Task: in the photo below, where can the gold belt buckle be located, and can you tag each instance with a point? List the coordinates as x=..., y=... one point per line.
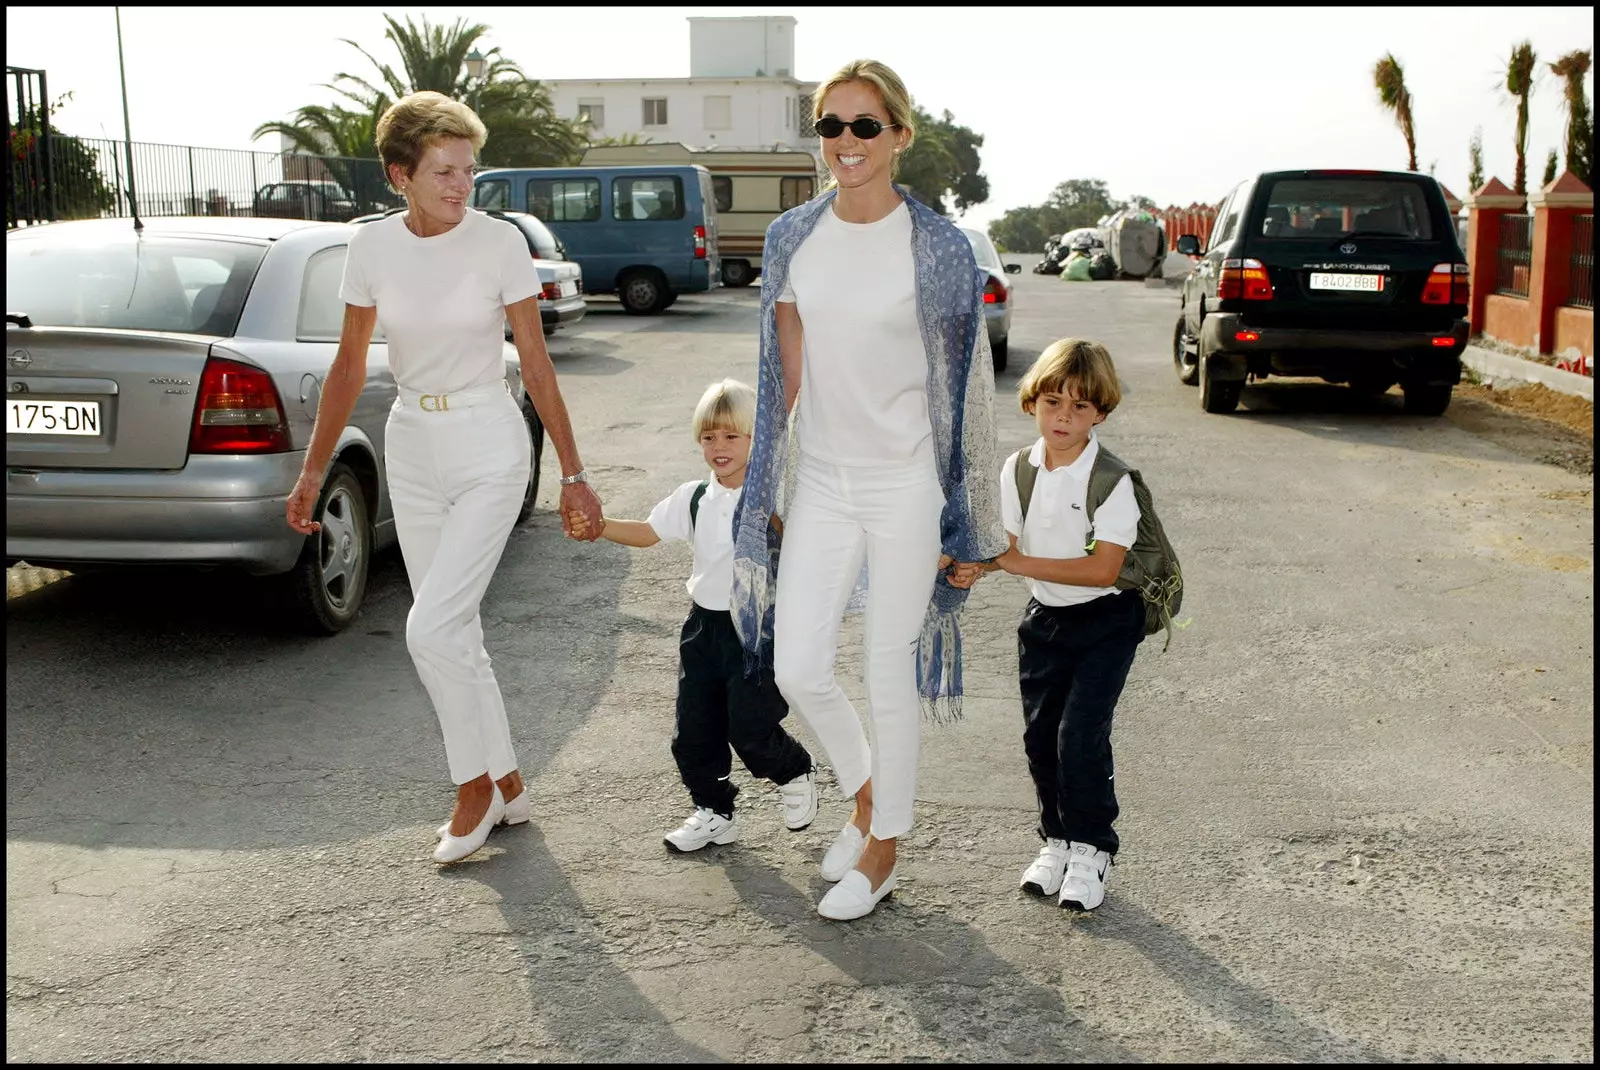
x=440, y=402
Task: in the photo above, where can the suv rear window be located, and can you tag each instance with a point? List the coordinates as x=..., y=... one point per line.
x=1324, y=208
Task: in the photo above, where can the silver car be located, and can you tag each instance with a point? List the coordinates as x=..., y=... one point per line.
x=160, y=391
x=998, y=294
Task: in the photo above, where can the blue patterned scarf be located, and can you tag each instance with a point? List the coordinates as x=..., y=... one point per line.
x=960, y=403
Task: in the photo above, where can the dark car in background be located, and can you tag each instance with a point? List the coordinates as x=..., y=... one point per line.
x=1351, y=276
x=319, y=199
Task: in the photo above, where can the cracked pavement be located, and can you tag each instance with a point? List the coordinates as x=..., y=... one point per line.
x=1357, y=791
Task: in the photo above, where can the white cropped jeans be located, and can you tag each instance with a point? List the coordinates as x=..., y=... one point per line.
x=457, y=475
x=841, y=516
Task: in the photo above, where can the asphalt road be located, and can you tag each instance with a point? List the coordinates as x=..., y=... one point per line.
x=1357, y=791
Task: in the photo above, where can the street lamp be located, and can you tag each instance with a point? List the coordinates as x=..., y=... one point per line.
x=475, y=64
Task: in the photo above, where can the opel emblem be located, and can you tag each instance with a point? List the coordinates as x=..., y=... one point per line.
x=19, y=358
x=1348, y=247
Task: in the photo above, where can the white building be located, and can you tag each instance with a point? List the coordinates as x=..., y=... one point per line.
x=741, y=92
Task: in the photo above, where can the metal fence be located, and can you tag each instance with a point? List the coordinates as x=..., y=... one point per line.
x=1580, y=277
x=1515, y=264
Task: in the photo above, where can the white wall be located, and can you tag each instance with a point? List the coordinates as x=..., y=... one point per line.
x=757, y=109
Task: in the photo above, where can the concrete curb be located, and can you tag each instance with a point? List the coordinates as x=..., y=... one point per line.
x=1501, y=366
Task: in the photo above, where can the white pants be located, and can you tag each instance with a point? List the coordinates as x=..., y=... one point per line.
x=840, y=516
x=457, y=476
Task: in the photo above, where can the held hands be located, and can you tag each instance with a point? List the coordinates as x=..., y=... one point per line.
x=302, y=504
x=580, y=512
x=961, y=574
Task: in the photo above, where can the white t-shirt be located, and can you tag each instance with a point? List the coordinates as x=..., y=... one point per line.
x=1058, y=523
x=711, y=581
x=864, y=375
x=441, y=300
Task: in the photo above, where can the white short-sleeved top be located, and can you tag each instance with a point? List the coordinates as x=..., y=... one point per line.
x=1058, y=523
x=864, y=374
x=441, y=300
x=711, y=580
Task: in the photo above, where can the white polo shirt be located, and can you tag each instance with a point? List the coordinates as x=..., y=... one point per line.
x=711, y=580
x=1058, y=523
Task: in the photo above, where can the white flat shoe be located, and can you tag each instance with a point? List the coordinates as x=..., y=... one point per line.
x=853, y=896
x=455, y=848
x=518, y=812
x=844, y=854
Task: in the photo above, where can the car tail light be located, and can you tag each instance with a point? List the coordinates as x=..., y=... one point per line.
x=1461, y=285
x=699, y=243
x=239, y=411
x=994, y=292
x=1447, y=285
x=551, y=291
x=1245, y=278
x=1443, y=342
x=1247, y=336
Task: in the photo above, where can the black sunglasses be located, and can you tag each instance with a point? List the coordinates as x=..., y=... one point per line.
x=866, y=128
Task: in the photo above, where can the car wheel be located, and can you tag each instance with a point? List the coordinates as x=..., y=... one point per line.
x=1188, y=367
x=1215, y=396
x=1426, y=399
x=643, y=293
x=536, y=442
x=999, y=352
x=329, y=581
x=736, y=273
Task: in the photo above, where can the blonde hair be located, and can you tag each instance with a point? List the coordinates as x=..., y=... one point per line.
x=1072, y=366
x=410, y=123
x=726, y=406
x=891, y=91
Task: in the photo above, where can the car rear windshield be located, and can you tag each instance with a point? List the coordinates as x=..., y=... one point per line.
x=1343, y=205
x=185, y=285
x=982, y=249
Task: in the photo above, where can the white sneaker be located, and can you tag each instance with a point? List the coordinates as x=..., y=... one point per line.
x=799, y=802
x=842, y=857
x=1043, y=876
x=1084, y=886
x=702, y=827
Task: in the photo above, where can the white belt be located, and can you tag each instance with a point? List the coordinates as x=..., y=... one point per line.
x=460, y=398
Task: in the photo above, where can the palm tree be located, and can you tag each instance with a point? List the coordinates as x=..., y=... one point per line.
x=1572, y=68
x=1520, y=69
x=1390, y=80
x=344, y=140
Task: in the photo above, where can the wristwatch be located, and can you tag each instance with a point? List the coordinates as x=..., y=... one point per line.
x=580, y=476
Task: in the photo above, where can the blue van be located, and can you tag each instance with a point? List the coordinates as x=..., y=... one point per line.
x=644, y=233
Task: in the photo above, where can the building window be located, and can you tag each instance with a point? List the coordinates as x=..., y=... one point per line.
x=655, y=111
x=592, y=112
x=722, y=192
x=793, y=191
x=647, y=197
x=803, y=115
x=564, y=200
x=719, y=113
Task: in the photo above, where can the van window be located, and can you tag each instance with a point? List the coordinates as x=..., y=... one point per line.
x=646, y=197
x=564, y=200
x=722, y=192
x=492, y=193
x=793, y=191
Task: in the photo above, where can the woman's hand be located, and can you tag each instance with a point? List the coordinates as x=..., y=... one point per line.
x=302, y=504
x=580, y=512
x=962, y=574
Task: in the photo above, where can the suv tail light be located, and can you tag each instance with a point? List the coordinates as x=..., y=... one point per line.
x=1448, y=284
x=239, y=411
x=994, y=292
x=699, y=243
x=551, y=291
x=1245, y=278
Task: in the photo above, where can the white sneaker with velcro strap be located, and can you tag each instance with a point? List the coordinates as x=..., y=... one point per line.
x=1084, y=885
x=1043, y=876
x=702, y=827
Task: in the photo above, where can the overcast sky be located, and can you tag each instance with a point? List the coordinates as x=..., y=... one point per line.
x=1174, y=104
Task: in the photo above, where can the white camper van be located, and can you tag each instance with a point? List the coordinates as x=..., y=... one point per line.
x=751, y=187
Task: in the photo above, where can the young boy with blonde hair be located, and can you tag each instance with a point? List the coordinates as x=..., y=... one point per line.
x=718, y=706
x=1079, y=632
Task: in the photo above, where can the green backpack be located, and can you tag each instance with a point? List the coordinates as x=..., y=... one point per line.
x=1151, y=565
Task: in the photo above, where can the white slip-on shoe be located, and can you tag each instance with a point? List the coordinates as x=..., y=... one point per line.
x=518, y=811
x=702, y=827
x=853, y=896
x=1043, y=877
x=455, y=848
x=1084, y=886
x=842, y=857
x=799, y=802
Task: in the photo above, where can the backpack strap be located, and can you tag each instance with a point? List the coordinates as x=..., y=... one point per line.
x=1104, y=475
x=694, y=502
x=1026, y=475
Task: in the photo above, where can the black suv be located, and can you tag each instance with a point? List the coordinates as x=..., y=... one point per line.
x=1353, y=276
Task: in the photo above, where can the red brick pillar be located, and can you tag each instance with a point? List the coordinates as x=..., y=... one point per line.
x=1485, y=207
x=1553, y=209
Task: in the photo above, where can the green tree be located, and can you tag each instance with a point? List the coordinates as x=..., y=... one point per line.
x=1520, y=70
x=1079, y=202
x=943, y=163
x=1551, y=164
x=1571, y=69
x=81, y=190
x=1390, y=80
x=1475, y=154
